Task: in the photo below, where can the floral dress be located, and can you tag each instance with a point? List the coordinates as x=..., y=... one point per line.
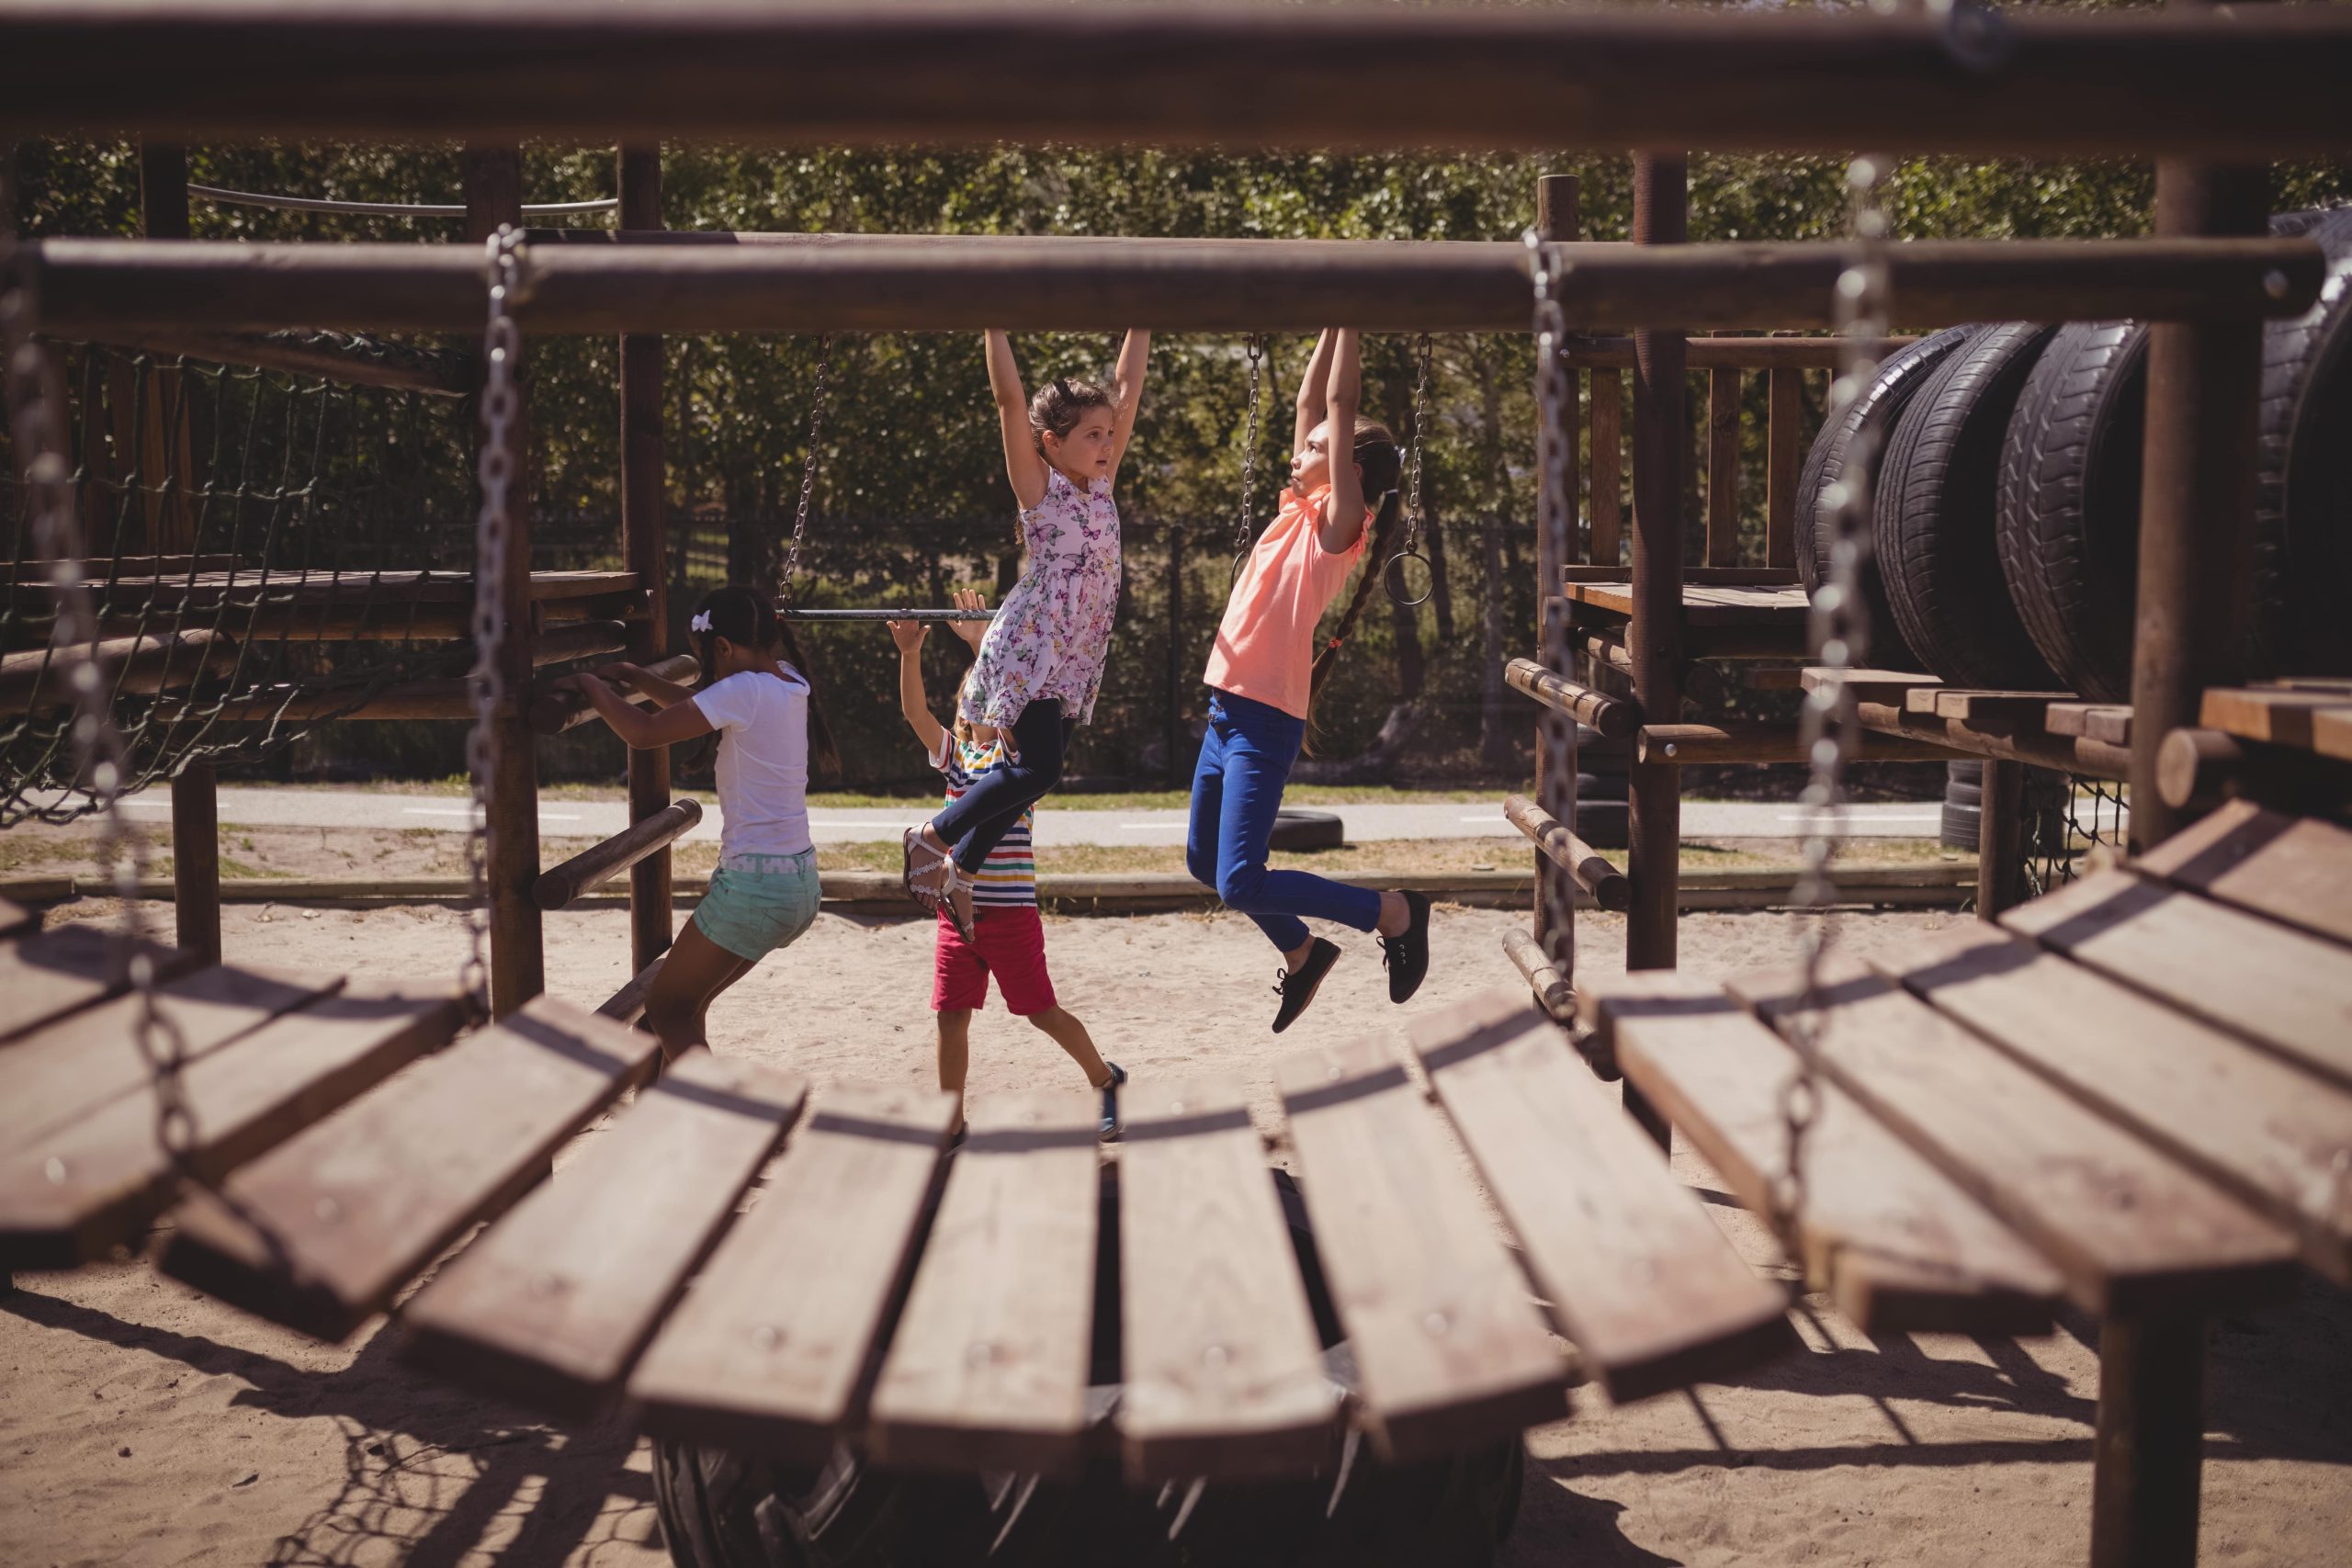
x=1051, y=635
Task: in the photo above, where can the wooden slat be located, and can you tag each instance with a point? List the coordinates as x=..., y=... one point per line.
x=1896, y=1242
x=2267, y=982
x=1784, y=457
x=2317, y=721
x=2294, y=870
x=1722, y=467
x=1224, y=1372
x=1452, y=1351
x=74, y=1194
x=2269, y=1132
x=320, y=1233
x=50, y=1080
x=16, y=920
x=1608, y=495
x=988, y=1369
x=1636, y=1273
x=2024, y=709
x=771, y=1345
x=2130, y=1228
x=554, y=1304
x=2110, y=722
x=1705, y=606
x=45, y=976
x=1894, y=686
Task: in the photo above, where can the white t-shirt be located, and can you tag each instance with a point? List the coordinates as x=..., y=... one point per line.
x=762, y=721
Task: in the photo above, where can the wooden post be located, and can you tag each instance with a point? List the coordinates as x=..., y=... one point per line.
x=2000, y=838
x=2150, y=1446
x=644, y=482
x=1608, y=476
x=1722, y=465
x=1784, y=456
x=1557, y=219
x=196, y=793
x=1661, y=447
x=1174, y=737
x=493, y=184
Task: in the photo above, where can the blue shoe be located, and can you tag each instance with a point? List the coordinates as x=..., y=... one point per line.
x=1111, y=1103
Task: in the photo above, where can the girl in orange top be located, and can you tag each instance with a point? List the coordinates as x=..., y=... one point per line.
x=1262, y=675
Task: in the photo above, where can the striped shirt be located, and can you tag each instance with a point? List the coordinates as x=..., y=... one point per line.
x=1008, y=877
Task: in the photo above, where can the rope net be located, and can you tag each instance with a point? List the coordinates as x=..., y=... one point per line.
x=254, y=541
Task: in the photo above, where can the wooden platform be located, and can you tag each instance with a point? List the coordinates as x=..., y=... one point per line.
x=1727, y=620
x=2312, y=715
x=2049, y=730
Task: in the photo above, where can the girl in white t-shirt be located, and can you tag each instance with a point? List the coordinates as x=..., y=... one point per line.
x=756, y=698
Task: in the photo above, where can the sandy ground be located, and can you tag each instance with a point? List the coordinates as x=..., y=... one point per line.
x=140, y=1424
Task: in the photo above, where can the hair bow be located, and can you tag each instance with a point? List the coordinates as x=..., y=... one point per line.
x=701, y=623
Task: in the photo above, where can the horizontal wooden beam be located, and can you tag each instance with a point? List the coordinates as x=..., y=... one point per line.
x=1732, y=354
x=91, y=287
x=1552, y=992
x=1613, y=717
x=2243, y=83
x=2198, y=769
x=552, y=712
x=156, y=661
x=333, y=356
x=599, y=863
x=2067, y=754
x=1609, y=886
x=1764, y=742
x=627, y=1004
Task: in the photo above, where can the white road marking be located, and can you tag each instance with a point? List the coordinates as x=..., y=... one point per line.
x=467, y=811
x=1874, y=816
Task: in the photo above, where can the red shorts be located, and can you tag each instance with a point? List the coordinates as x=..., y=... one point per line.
x=1011, y=946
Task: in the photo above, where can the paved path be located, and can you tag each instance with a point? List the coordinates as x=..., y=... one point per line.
x=362, y=808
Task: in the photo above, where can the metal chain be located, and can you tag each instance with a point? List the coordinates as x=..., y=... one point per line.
x=35, y=411
x=1246, y=521
x=505, y=263
x=1423, y=351
x=1839, y=635
x=1556, y=523
x=808, y=468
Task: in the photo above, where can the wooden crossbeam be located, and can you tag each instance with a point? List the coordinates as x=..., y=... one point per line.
x=1612, y=716
x=2110, y=722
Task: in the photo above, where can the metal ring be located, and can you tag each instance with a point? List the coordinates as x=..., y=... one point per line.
x=1393, y=581
x=1239, y=562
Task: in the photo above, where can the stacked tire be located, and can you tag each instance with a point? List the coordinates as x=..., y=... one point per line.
x=1603, y=789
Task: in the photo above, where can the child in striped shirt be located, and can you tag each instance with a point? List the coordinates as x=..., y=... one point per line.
x=1008, y=937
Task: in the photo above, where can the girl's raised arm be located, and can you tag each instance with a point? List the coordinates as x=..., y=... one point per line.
x=1342, y=522
x=1127, y=391
x=1023, y=464
x=1311, y=392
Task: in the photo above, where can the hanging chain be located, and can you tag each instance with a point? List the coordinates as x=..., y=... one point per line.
x=1423, y=351
x=1247, y=519
x=1555, y=524
x=808, y=468
x=35, y=427
x=506, y=261
x=1839, y=635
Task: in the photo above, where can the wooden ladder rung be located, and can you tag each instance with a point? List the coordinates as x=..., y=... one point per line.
x=771, y=1344
x=554, y=1305
x=321, y=1233
x=1896, y=1243
x=1452, y=1351
x=1637, y=1275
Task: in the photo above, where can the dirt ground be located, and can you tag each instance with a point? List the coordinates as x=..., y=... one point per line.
x=142, y=1425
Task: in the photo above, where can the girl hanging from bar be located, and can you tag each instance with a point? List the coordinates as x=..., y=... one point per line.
x=1041, y=663
x=1262, y=675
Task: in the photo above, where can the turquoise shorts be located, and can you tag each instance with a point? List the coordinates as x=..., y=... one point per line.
x=759, y=903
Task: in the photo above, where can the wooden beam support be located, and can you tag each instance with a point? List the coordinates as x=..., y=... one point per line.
x=1784, y=447
x=1559, y=219
x=599, y=863
x=1564, y=849
x=2067, y=754
x=2197, y=769
x=1764, y=741
x=1723, y=464
x=1980, y=84
x=1552, y=992
x=157, y=661
x=1612, y=716
x=645, y=549
x=2001, y=839
x=1727, y=353
x=91, y=287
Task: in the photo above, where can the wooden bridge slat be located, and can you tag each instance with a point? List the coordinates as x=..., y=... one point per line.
x=1897, y=1244
x=1451, y=1349
x=16, y=920
x=2286, y=991
x=2110, y=722
x=2296, y=870
x=322, y=1231
x=1639, y=1276
x=988, y=1369
x=771, y=1345
x=53, y=1078
x=554, y=1303
x=1224, y=1371
x=2266, y=1131
x=80, y=1190
x=2317, y=721
x=45, y=976
x=2130, y=1227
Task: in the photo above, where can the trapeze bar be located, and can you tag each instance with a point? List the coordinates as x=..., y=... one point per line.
x=2239, y=82
x=91, y=287
x=793, y=614
x=385, y=209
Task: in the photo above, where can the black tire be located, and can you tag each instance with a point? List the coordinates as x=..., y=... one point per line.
x=1958, y=794
x=1601, y=786
x=1603, y=824
x=1935, y=524
x=722, y=1510
x=1899, y=380
x=1305, y=831
x=2302, y=513
x=1971, y=772
x=1961, y=826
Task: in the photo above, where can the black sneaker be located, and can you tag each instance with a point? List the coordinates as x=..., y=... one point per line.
x=1297, y=988
x=1111, y=1103
x=1407, y=953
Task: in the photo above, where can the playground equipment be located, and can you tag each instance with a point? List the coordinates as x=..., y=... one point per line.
x=1922, y=1173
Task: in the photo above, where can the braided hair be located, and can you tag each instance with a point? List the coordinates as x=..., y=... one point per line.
x=747, y=618
x=1376, y=452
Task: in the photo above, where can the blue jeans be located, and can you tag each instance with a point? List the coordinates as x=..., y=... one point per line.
x=976, y=822
x=1245, y=762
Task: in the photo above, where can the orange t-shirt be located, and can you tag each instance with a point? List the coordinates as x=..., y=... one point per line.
x=1265, y=645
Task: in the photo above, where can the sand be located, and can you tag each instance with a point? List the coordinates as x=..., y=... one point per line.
x=140, y=1424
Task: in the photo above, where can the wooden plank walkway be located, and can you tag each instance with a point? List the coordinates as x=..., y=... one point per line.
x=2318, y=721
x=1706, y=605
x=2294, y=870
x=46, y=975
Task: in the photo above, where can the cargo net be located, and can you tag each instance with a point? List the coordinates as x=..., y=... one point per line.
x=253, y=541
x=2066, y=818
